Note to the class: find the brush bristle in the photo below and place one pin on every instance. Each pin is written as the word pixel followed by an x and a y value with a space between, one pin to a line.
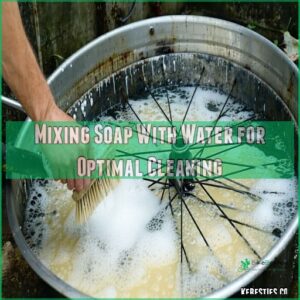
pixel 88 200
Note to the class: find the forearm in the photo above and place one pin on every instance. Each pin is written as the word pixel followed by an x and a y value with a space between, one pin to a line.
pixel 20 68
pixel 23 75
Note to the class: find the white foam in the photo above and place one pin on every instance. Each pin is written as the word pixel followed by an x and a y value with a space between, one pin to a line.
pixel 277 203
pixel 205 106
pixel 112 253
pixel 203 281
pixel 121 221
pixel 115 234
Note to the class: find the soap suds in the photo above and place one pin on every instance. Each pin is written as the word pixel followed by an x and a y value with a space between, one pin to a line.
pixel 130 246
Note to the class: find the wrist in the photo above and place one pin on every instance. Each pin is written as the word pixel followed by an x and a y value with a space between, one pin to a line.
pixel 44 111
pixel 53 113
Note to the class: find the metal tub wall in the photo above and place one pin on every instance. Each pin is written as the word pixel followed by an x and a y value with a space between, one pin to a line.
pixel 135 42
pixel 180 69
pixel 172 34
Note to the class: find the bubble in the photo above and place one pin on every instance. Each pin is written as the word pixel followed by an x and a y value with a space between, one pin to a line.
pixel 276 232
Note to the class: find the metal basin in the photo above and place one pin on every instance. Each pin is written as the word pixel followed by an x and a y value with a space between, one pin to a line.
pixel 204 40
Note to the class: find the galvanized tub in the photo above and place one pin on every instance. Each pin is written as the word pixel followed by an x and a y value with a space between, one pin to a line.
pixel 153 37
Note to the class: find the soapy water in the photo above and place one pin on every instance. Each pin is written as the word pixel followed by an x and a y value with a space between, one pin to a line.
pixel 206 106
pixel 131 245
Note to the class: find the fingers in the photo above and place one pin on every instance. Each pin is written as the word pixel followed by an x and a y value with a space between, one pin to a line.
pixel 81 184
pixel 78 184
pixel 86 183
pixel 70 184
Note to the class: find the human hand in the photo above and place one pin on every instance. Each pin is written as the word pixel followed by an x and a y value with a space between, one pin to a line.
pixel 55 114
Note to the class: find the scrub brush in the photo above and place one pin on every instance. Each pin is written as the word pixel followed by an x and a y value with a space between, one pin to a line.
pixel 88 199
